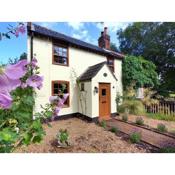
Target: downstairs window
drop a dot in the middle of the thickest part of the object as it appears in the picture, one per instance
(59, 88)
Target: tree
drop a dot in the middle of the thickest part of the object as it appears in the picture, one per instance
(155, 42)
(113, 47)
(138, 71)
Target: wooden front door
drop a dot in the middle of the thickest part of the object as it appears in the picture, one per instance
(104, 101)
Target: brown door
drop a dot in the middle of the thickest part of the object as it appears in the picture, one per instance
(104, 101)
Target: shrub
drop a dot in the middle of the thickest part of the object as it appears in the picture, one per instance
(63, 136)
(135, 137)
(134, 106)
(114, 130)
(167, 150)
(139, 121)
(103, 123)
(125, 117)
(161, 127)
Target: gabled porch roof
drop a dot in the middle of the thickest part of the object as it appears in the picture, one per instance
(92, 71)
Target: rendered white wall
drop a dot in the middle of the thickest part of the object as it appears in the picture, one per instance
(79, 61)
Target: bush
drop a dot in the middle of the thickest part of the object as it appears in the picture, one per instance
(125, 117)
(114, 130)
(139, 121)
(134, 106)
(103, 123)
(161, 127)
(135, 137)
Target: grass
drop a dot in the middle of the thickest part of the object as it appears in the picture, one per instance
(160, 116)
(134, 107)
(167, 150)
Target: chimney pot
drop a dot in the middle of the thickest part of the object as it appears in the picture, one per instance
(104, 39)
(105, 30)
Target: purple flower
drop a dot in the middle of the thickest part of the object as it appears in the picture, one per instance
(62, 100)
(16, 71)
(52, 99)
(34, 63)
(7, 84)
(35, 81)
(20, 29)
(5, 100)
(10, 76)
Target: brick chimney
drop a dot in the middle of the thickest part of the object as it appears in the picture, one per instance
(104, 39)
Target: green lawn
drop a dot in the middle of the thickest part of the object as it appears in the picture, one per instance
(160, 116)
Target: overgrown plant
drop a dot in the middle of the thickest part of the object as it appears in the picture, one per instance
(81, 94)
(135, 137)
(161, 127)
(63, 137)
(17, 92)
(125, 117)
(103, 124)
(139, 121)
(114, 130)
(148, 99)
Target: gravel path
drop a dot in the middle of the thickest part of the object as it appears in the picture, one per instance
(85, 138)
(153, 122)
(156, 139)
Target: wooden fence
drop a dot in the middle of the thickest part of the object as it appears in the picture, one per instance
(165, 107)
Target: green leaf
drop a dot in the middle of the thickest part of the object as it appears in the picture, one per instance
(27, 138)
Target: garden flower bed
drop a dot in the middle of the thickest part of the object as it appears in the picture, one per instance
(152, 122)
(84, 137)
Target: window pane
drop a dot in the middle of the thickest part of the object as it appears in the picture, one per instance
(103, 92)
(56, 50)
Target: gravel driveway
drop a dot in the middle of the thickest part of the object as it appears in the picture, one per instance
(85, 138)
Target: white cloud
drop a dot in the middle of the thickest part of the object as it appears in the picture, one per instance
(76, 25)
(49, 25)
(112, 26)
(80, 34)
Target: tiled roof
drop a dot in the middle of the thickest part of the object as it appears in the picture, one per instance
(92, 72)
(53, 34)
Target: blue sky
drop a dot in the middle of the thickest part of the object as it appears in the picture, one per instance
(86, 31)
(14, 47)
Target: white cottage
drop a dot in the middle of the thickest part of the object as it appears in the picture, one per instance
(92, 75)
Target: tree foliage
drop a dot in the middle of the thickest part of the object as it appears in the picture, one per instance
(139, 71)
(155, 42)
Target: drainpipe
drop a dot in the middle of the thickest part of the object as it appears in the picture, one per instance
(31, 28)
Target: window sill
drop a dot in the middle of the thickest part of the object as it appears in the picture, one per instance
(58, 64)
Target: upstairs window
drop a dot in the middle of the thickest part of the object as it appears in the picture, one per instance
(110, 62)
(60, 55)
(59, 88)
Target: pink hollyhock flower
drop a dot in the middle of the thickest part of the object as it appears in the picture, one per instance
(7, 84)
(59, 104)
(62, 100)
(34, 63)
(20, 29)
(17, 70)
(35, 81)
(5, 100)
(52, 99)
(11, 74)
